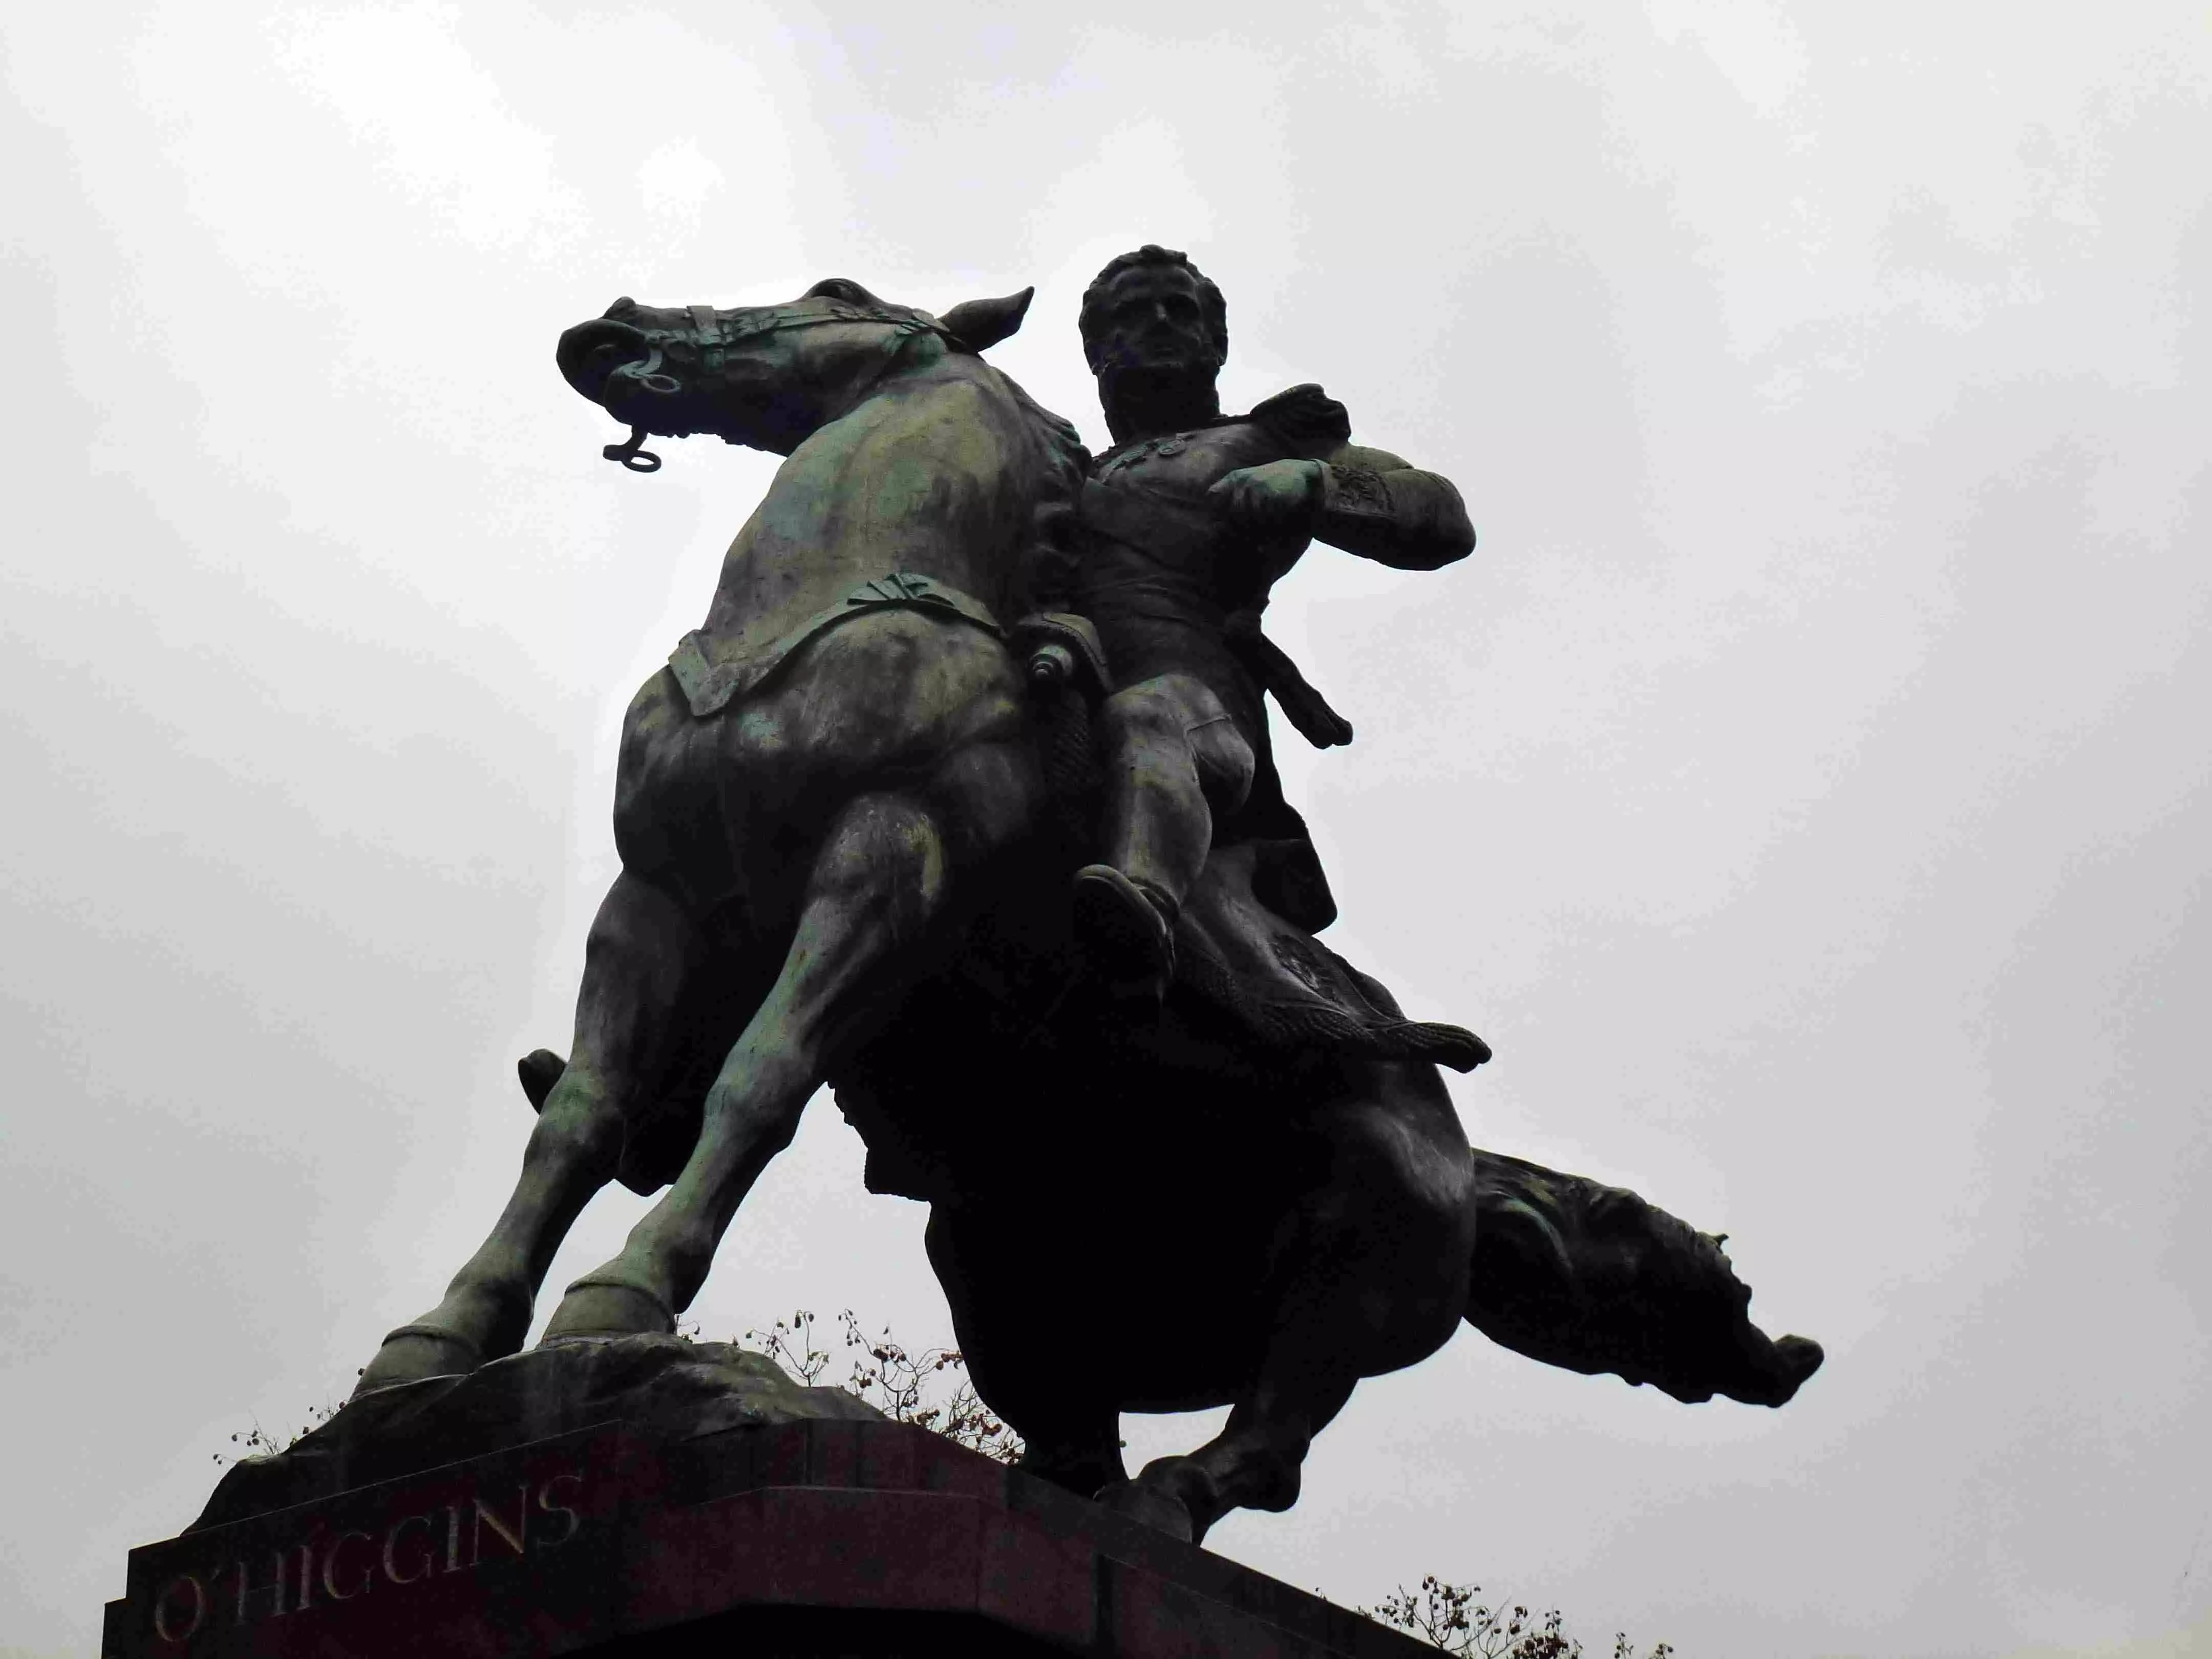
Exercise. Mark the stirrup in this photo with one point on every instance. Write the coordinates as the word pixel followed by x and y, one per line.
pixel 1125 929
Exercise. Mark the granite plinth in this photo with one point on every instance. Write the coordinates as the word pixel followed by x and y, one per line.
pixel 806 1539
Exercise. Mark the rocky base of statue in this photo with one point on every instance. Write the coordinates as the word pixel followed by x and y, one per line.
pixel 651 1496
pixel 658 1388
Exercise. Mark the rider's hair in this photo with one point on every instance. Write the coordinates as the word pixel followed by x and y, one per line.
pixel 1210 302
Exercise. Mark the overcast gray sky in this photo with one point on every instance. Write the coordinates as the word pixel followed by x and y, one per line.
pixel 1804 786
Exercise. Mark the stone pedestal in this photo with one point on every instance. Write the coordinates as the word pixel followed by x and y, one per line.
pixel 808 1538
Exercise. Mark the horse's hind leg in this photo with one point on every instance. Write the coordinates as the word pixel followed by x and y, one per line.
pixel 878 880
pixel 1068 1420
pixel 642 944
pixel 1369 1275
pixel 1256 1462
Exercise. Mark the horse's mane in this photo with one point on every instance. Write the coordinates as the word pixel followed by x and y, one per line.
pixel 1067 463
pixel 1063 445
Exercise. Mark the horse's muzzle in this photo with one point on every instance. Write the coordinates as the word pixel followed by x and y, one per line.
pixel 619 368
pixel 590 355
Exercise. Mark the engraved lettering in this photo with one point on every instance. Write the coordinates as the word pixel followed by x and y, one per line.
pixel 485 1516
pixel 335 1566
pixel 165 1624
pixel 274 1590
pixel 391 1551
pixel 546 1503
pixel 330 1569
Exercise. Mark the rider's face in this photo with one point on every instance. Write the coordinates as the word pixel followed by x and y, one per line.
pixel 1150 319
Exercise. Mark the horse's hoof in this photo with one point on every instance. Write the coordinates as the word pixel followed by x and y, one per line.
pixel 1159 1510
pixel 415 1352
pixel 609 1307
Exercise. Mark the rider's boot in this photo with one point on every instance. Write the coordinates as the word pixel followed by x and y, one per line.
pixel 1162 741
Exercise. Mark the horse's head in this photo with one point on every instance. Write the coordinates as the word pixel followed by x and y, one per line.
pixel 765 376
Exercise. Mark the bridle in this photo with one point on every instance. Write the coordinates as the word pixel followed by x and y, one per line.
pixel 710 335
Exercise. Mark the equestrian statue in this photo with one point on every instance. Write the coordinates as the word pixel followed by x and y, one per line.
pixel 960 801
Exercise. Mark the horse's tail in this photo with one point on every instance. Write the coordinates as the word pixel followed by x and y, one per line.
pixel 1592 1277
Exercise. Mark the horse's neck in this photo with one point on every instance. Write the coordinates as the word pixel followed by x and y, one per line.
pixel 931 474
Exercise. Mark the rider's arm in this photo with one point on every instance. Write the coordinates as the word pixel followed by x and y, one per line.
pixel 1374 505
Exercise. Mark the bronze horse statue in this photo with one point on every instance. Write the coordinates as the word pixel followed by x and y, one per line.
pixel 846 816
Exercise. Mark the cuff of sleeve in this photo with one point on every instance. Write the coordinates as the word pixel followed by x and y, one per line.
pixel 1354 492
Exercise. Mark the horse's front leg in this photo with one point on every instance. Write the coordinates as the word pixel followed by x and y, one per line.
pixel 643 945
pixel 879 880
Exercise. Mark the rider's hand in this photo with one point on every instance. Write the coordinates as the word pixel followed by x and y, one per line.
pixel 1280 498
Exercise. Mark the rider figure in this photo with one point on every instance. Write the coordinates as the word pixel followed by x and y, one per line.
pixel 1190 519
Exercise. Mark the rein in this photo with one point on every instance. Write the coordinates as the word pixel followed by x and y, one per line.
pixel 711 334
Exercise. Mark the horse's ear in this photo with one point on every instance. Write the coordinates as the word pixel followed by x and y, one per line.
pixel 978 324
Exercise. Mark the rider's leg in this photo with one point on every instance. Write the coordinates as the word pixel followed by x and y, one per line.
pixel 879 881
pixel 1174 760
pixel 642 944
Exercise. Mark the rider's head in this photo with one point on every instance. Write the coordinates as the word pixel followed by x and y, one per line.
pixel 1154 310
pixel 1157 334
